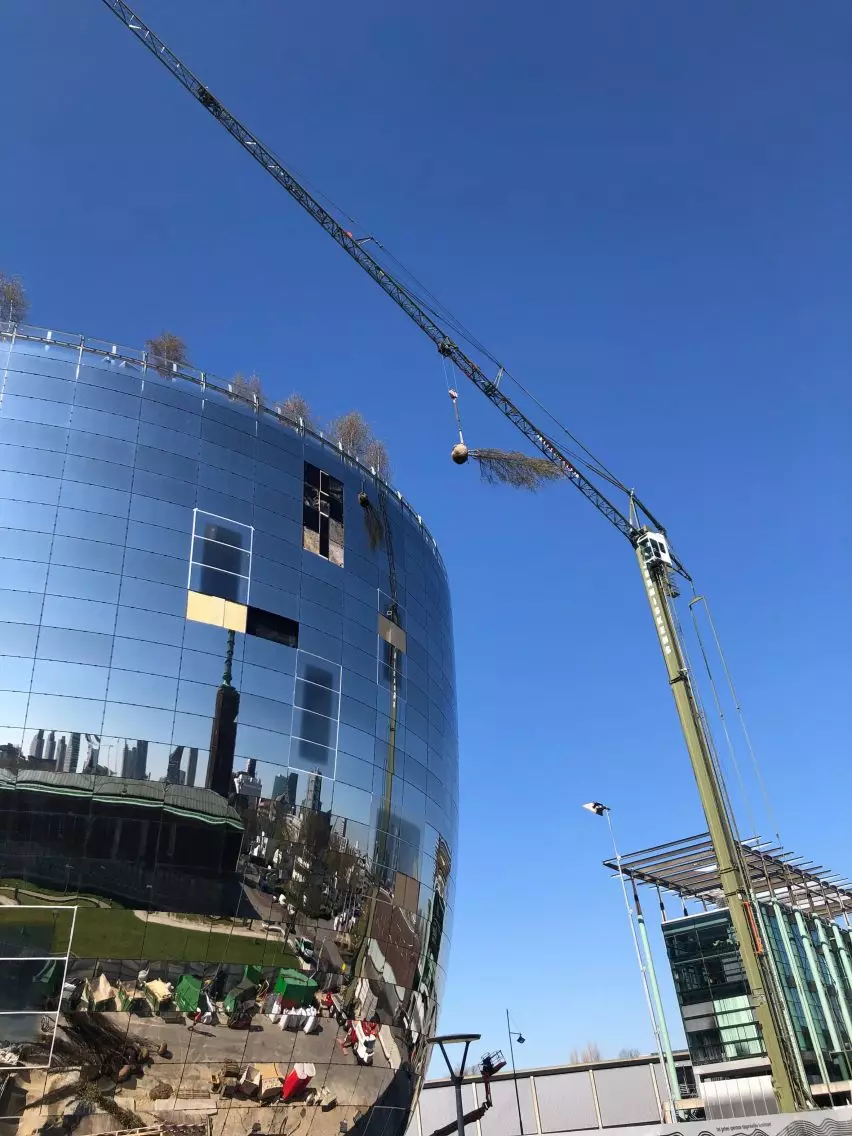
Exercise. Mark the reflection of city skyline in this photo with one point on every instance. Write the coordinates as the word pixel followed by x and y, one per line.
pixel 58 751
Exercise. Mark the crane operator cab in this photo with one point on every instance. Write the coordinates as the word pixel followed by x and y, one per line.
pixel 654 549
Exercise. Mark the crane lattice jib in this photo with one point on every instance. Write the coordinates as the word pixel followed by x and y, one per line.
pixel 391 286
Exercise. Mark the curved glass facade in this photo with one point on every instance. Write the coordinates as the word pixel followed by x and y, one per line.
pixel 228 756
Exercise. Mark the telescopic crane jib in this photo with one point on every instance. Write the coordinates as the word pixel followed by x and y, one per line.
pixel 658 565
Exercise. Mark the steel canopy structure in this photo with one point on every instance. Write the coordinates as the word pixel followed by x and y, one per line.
pixel 687 868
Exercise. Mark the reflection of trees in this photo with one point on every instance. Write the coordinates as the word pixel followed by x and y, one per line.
pixel 97 1049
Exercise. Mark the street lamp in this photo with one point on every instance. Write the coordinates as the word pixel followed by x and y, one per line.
pixel 649 978
pixel 521 1039
pixel 457 1077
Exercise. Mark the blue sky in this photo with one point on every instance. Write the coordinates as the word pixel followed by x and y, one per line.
pixel 644 210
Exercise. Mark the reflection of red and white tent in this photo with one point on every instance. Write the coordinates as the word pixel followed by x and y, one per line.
pixel 297 1080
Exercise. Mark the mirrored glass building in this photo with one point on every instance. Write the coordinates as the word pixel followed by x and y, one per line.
pixel 228 758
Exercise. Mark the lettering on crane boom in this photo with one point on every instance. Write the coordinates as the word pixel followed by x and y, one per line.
pixel 655 551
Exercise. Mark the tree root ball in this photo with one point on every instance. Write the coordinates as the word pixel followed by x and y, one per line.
pixel 460 453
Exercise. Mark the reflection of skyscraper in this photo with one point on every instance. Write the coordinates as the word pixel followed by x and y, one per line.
pixel 284 788
pixel 134 761
pixel 93 752
pixel 173 772
pixel 313 792
pixel 192 765
pixel 60 754
pixel 37 745
pixel 73 754
pixel 50 749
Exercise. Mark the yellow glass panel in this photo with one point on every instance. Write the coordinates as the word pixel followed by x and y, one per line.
pixel 206 609
pixel 235 616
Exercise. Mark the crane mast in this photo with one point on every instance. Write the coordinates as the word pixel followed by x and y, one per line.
pixel 657 563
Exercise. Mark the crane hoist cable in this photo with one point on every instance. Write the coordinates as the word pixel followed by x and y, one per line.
pixel 402 295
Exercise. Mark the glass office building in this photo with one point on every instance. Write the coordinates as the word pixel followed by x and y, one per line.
pixel 228 756
pixel 799 915
pixel 813 962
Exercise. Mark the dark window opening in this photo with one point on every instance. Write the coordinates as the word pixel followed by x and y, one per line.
pixel 268 625
pixel 322 514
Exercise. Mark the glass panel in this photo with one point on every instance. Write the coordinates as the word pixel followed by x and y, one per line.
pixel 164 488
pixel 310 756
pixel 100 422
pixel 167 464
pixel 96 498
pixel 318 699
pixel 99 398
pixel 29 487
pixel 143 689
pixel 92 471
pixel 93 526
pixel 20 607
pixel 74 679
pixel 31 434
pixel 138 722
pixel 150 658
pixel 266 683
pixel 75 552
pixel 211 582
pixel 15 674
pixel 133 623
pixel 27 516
pixel 153 538
pixel 18 638
pixel 24 575
pixel 21 460
pixel 114 450
pixel 82 583
pixel 152 596
pixel 36 410
pixel 314 727
pixel 56 712
pixel 74 646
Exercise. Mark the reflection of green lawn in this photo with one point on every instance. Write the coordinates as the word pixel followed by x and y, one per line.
pixel 119 934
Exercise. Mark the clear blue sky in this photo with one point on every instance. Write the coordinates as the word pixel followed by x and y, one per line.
pixel 645 210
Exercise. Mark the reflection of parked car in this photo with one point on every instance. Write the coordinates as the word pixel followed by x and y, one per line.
pixel 305 948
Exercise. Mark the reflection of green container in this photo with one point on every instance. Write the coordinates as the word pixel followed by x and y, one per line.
pixel 252 974
pixel 244 991
pixel 296 988
pixel 186 995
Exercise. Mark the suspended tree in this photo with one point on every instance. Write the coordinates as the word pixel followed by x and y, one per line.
pixel 509 467
pixel 94 1048
pixel 14 305
pixel 165 351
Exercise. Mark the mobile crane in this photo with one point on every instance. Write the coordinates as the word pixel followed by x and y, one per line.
pixel 657 563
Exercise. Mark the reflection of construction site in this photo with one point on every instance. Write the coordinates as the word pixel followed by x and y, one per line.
pixel 315 1004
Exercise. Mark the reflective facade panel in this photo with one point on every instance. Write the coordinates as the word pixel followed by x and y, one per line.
pixel 228 758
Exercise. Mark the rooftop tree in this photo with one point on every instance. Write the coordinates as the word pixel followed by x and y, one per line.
pixel 14 305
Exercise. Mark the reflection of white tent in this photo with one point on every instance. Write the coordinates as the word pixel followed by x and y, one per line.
pixel 102 991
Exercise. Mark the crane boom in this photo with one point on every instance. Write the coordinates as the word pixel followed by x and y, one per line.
pixel 656 562
pixel 398 292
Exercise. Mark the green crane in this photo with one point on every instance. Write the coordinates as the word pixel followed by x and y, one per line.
pixel 658 565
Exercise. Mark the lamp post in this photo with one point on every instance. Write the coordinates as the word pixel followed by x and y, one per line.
pixel 521 1040
pixel 457 1077
pixel 649 979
